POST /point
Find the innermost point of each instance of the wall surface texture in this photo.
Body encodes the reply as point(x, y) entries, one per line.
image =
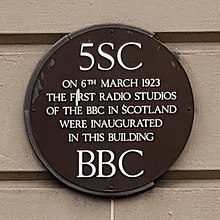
point(189, 28)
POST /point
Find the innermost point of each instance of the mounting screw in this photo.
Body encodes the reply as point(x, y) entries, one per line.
point(189, 109)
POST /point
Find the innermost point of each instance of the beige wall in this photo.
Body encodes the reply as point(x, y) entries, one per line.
point(190, 28)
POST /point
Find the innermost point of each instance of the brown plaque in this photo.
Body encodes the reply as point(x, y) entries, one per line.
point(108, 110)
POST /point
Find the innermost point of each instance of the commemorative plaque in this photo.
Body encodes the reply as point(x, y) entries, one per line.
point(108, 110)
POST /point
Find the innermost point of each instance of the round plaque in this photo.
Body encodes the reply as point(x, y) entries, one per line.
point(108, 110)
